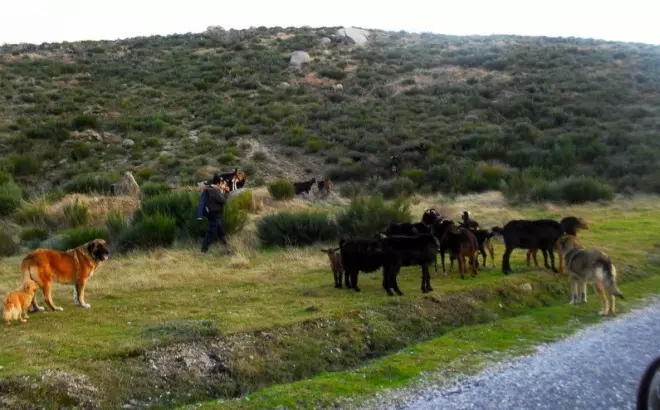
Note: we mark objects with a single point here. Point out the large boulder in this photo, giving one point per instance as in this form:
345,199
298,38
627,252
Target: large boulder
298,58
353,35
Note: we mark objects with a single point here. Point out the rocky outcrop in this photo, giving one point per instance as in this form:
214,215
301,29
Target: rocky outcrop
352,35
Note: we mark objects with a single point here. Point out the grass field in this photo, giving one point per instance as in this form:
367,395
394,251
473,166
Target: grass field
274,317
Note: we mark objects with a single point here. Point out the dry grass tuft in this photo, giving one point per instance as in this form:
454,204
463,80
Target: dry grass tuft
99,206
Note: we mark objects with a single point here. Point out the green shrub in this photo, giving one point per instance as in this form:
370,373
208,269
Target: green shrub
296,229
25,164
154,189
75,237
233,217
281,190
10,198
116,224
53,131
180,205
415,175
371,215
350,190
573,190
5,178
396,187
244,201
8,246
76,214
83,122
34,234
151,231
259,156
92,183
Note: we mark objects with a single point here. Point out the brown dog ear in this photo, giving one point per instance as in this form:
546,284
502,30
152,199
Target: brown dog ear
91,247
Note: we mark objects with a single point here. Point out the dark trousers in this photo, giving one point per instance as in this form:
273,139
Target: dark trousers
215,228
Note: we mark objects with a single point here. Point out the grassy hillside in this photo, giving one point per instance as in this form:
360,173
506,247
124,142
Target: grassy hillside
465,113
172,327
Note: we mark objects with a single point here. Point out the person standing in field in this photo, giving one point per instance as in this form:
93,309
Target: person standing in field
216,198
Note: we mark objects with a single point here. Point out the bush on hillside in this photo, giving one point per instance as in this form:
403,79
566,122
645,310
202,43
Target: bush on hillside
34,234
92,183
181,207
116,223
281,190
82,122
33,213
10,198
296,228
396,187
8,246
370,215
75,237
245,201
151,231
76,214
154,189
233,217
573,190
5,178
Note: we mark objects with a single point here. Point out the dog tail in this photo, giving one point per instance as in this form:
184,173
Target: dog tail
609,276
28,270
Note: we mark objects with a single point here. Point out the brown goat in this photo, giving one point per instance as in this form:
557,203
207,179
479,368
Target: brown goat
337,267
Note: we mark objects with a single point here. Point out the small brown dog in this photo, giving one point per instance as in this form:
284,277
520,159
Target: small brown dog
337,267
15,306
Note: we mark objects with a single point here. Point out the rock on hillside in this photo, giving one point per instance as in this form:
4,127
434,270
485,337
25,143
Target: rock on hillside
354,35
298,58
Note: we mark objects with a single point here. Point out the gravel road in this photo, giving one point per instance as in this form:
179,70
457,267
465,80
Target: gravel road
598,367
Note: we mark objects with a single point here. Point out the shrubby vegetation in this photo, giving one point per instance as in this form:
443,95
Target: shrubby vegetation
364,217
281,190
466,114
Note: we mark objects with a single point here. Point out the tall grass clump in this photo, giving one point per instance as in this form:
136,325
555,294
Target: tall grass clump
296,228
75,237
281,190
573,190
92,183
149,231
76,214
33,213
369,215
10,198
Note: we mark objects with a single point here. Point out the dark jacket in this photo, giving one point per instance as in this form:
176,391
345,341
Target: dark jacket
215,201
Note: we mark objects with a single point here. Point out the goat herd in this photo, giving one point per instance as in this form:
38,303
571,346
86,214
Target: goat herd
417,244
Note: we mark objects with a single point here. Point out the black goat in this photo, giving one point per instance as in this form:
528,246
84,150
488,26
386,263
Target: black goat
430,216
525,234
305,186
399,251
360,254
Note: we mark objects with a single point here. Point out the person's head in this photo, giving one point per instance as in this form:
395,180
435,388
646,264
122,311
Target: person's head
217,179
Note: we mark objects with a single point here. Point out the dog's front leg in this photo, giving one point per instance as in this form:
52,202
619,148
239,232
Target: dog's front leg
79,294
